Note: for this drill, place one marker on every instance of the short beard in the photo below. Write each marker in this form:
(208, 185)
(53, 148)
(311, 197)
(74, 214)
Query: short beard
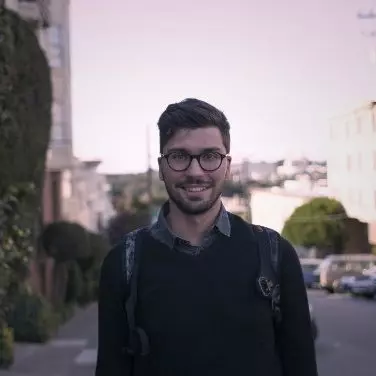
(188, 210)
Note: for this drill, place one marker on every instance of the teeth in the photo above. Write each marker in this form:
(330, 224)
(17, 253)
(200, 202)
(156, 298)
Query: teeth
(196, 189)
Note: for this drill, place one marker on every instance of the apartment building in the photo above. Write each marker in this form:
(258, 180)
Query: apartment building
(55, 40)
(352, 164)
(272, 207)
(87, 198)
(237, 205)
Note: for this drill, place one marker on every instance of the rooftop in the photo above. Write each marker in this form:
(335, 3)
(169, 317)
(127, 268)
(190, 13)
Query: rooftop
(307, 193)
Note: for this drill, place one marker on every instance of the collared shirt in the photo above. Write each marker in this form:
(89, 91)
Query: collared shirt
(162, 232)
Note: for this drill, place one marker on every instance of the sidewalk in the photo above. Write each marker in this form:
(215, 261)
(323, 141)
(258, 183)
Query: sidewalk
(71, 353)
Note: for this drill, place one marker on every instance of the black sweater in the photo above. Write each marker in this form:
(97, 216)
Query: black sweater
(204, 315)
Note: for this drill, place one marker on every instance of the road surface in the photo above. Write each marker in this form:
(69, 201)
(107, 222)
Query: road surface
(347, 340)
(346, 344)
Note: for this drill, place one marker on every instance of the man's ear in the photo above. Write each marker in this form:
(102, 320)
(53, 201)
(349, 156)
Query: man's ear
(228, 168)
(160, 169)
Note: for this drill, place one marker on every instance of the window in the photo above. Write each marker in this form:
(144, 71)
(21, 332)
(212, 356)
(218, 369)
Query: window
(332, 132)
(358, 124)
(349, 163)
(350, 195)
(57, 132)
(66, 184)
(57, 113)
(55, 46)
(56, 194)
(54, 33)
(347, 129)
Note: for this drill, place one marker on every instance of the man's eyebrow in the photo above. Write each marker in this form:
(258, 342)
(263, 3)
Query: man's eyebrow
(214, 148)
(204, 150)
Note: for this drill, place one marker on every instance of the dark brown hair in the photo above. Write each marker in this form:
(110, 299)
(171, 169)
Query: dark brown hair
(192, 113)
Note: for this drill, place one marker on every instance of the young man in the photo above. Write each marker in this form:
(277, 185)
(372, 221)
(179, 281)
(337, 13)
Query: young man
(198, 305)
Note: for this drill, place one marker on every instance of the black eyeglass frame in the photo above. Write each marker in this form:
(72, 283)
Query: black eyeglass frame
(197, 157)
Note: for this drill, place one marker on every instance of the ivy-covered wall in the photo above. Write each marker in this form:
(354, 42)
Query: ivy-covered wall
(25, 103)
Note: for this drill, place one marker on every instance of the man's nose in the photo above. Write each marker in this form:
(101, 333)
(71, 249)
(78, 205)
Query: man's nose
(195, 168)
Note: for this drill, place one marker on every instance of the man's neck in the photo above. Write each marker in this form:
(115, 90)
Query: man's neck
(192, 227)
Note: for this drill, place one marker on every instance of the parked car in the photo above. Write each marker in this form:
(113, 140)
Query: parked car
(335, 267)
(310, 268)
(343, 285)
(365, 285)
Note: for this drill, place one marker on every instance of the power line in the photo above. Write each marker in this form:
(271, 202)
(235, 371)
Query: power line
(318, 218)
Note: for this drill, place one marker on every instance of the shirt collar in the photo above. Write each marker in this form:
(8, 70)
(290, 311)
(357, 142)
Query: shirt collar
(161, 230)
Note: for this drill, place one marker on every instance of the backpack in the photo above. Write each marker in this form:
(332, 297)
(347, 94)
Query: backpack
(267, 283)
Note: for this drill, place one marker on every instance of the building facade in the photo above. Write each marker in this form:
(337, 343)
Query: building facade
(55, 40)
(237, 205)
(352, 164)
(272, 207)
(86, 196)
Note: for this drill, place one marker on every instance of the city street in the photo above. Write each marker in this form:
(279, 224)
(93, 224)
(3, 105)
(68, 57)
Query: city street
(347, 334)
(345, 346)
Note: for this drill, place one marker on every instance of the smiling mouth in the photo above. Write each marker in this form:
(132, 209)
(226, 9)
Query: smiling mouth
(195, 189)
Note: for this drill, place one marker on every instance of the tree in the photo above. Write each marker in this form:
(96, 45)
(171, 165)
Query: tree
(65, 242)
(25, 123)
(126, 222)
(25, 105)
(231, 188)
(318, 223)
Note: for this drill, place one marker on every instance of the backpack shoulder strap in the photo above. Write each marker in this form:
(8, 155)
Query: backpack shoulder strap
(129, 253)
(268, 282)
(138, 341)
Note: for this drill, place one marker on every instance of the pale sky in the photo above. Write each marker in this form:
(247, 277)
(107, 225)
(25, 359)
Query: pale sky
(278, 69)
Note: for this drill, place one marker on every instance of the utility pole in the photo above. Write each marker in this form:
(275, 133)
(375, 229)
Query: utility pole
(367, 17)
(149, 174)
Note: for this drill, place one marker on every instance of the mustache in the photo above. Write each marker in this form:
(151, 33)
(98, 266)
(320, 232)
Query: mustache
(196, 181)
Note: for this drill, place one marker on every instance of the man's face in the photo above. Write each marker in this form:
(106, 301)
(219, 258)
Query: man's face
(194, 190)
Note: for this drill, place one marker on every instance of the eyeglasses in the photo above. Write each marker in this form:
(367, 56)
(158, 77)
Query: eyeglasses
(180, 161)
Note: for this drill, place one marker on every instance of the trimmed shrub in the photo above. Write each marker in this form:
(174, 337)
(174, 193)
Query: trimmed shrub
(33, 319)
(126, 222)
(65, 241)
(90, 267)
(88, 292)
(6, 347)
(25, 103)
(75, 283)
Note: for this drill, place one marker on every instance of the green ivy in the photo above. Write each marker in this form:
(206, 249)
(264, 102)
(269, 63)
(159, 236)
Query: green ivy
(25, 103)
(15, 247)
